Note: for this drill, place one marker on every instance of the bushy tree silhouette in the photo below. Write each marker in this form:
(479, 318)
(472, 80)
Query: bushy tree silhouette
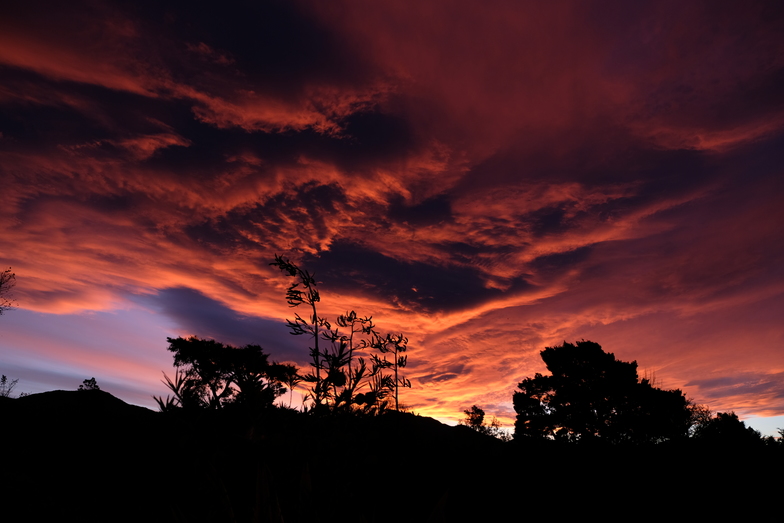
(591, 395)
(7, 282)
(7, 387)
(89, 384)
(351, 371)
(727, 429)
(475, 420)
(210, 374)
(701, 415)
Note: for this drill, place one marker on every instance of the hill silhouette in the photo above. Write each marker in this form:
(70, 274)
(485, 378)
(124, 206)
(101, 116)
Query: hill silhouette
(78, 453)
(91, 456)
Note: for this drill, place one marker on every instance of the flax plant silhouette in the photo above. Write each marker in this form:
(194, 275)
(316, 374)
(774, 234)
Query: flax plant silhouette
(7, 282)
(349, 360)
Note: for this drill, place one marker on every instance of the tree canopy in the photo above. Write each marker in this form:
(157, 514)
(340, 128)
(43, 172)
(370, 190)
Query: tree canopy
(89, 384)
(590, 395)
(727, 429)
(7, 282)
(475, 420)
(212, 375)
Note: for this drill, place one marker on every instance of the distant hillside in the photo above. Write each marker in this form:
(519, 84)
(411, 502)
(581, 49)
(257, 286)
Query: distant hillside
(80, 453)
(87, 455)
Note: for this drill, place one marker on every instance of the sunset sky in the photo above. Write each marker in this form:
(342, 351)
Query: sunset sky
(489, 178)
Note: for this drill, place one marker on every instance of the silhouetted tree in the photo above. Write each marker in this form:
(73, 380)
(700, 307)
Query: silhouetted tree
(727, 429)
(776, 441)
(89, 385)
(186, 393)
(475, 419)
(7, 387)
(7, 282)
(701, 415)
(212, 375)
(590, 395)
(343, 379)
(291, 379)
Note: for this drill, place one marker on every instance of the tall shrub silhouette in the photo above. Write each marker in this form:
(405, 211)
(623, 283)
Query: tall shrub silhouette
(309, 296)
(727, 429)
(89, 384)
(7, 282)
(351, 369)
(591, 395)
(212, 375)
(475, 420)
(7, 386)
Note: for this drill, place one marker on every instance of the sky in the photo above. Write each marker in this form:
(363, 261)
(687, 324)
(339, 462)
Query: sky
(488, 179)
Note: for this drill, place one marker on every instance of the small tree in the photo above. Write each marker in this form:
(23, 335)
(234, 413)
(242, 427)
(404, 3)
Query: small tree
(701, 416)
(475, 419)
(89, 385)
(727, 429)
(7, 387)
(291, 378)
(7, 282)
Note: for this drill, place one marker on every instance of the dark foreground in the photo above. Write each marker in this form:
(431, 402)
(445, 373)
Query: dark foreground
(86, 455)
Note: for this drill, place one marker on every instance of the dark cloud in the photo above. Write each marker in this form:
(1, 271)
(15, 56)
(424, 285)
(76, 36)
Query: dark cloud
(276, 45)
(432, 211)
(742, 384)
(550, 220)
(409, 284)
(436, 378)
(376, 135)
(301, 212)
(218, 235)
(208, 318)
(366, 141)
(447, 374)
(556, 264)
